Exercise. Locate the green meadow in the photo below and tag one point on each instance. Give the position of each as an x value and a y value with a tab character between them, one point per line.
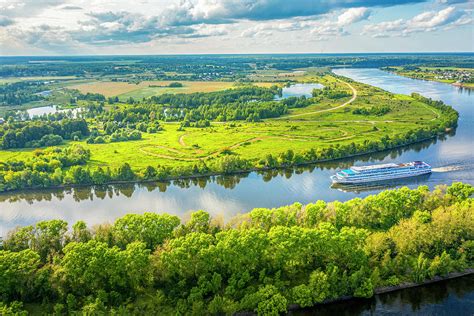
329	122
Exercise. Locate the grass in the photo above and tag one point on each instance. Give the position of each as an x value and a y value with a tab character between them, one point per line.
144	89
255	140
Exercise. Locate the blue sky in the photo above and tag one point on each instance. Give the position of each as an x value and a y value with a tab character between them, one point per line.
58	27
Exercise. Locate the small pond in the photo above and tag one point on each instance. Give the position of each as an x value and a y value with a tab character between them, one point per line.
299	90
49	109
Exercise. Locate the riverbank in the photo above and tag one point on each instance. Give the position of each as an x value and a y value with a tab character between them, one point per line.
427	76
332	132
213	174
389	289
264	261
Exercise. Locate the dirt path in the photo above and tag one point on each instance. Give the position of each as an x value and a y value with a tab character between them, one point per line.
354	97
181	140
251	140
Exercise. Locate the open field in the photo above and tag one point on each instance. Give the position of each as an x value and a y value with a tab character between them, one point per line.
150	88
316	126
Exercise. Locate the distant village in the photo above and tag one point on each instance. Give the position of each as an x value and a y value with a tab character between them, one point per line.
462	76
438	74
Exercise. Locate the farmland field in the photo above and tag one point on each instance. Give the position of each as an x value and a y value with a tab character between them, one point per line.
145	89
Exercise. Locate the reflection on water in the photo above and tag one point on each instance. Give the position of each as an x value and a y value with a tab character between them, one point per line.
50	109
450	156
451	297
227	182
299	90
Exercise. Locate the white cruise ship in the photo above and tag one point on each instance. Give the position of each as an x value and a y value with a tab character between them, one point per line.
382	172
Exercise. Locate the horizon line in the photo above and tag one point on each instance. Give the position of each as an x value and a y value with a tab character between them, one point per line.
245	54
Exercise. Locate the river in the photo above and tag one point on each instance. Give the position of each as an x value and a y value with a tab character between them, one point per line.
451	297
298	90
451	157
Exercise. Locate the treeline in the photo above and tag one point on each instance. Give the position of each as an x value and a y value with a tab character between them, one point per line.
192	100
377	110
262	261
37	133
18	93
210	67
331	92
249	103
449	117
131	116
47	168
88	97
250	112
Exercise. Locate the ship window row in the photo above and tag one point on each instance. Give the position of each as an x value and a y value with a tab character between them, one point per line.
380	174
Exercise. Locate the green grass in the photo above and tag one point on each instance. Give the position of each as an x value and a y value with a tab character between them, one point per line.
255	140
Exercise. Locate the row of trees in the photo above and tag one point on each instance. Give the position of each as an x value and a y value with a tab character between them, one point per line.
262	261
20	134
449	117
18	93
378	110
193	100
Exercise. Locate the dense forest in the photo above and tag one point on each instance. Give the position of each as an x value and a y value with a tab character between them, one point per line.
19	134
18	93
263	261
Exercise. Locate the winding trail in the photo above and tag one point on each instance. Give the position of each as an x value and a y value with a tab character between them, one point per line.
181	140
259	138
354	97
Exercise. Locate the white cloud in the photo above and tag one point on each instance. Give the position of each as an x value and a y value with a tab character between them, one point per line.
423	22
319	30
26	8
99	23
353	15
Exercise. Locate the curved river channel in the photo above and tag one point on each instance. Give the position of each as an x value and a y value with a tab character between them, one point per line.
452	158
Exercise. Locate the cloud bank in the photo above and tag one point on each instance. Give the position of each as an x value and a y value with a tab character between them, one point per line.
77	24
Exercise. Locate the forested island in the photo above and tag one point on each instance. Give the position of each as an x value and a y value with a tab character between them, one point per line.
265	261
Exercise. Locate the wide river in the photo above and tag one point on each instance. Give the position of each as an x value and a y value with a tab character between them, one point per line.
452	158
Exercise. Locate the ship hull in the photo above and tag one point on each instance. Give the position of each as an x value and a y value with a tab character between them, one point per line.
375	178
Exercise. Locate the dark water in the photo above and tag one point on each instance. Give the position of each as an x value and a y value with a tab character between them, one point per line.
451	156
452	297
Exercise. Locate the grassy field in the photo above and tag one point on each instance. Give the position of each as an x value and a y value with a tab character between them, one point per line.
316	126
144	89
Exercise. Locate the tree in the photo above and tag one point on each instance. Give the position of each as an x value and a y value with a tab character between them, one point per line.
125	173
19	239
150	228
49	238
150	173
80	233
17	273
